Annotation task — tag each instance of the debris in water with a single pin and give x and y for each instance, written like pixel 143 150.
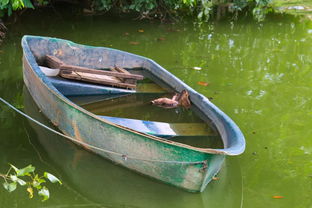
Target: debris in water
pixel 197 68
pixel 134 43
pixel 161 39
pixel 179 99
pixel 165 102
pixel 203 83
pixel 277 197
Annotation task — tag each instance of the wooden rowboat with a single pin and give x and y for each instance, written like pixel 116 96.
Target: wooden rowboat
pixel 147 149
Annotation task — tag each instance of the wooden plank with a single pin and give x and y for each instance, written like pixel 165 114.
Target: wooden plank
pixel 121 70
pixel 53 62
pixel 163 129
pixel 101 72
pixel 95 78
pixel 116 79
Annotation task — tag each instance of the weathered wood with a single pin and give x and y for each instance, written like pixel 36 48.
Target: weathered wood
pixel 100 72
pixel 94 78
pixel 108 79
pixel 53 62
pixel 121 70
pixel 114 70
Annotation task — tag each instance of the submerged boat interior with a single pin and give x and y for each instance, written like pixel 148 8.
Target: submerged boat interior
pixel 132 107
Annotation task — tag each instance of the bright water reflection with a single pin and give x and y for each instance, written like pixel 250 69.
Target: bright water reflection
pixel 259 74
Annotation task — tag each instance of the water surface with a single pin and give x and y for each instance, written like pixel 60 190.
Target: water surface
pixel 259 74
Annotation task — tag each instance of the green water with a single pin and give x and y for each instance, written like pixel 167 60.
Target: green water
pixel 259 74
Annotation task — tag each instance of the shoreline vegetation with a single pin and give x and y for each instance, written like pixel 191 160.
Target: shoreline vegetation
pixel 302 8
pixel 163 10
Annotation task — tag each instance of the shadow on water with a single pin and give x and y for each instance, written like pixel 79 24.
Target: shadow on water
pixel 103 182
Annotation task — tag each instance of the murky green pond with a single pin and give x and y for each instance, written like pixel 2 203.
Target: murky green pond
pixel 259 74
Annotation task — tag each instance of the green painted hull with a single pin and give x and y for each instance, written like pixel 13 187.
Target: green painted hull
pixel 174 163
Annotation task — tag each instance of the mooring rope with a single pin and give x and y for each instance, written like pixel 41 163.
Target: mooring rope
pixel 123 156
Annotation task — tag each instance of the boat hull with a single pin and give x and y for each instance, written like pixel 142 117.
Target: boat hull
pixel 174 163
pixel 87 129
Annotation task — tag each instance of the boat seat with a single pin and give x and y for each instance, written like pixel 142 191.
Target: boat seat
pixel 72 88
pixel 77 88
pixel 162 129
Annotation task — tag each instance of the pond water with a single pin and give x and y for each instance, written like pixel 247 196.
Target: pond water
pixel 259 74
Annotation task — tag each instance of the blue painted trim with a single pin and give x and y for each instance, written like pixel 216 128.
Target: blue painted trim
pixel 160 129
pixel 73 88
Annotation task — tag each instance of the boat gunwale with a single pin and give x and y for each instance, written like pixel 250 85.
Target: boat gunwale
pixel 29 56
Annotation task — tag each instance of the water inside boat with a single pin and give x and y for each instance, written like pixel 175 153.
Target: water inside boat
pixel 133 109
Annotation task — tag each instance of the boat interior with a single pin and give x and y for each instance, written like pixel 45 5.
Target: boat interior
pixel 130 105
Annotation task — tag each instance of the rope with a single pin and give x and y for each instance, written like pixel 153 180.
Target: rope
pixel 123 156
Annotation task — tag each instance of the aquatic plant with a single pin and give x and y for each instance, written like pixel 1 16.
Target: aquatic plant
pixel 27 177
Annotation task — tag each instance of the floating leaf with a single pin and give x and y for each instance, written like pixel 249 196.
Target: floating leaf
pixel 134 43
pixel 141 30
pixel 44 192
pixel 31 192
pixel 161 39
pixel 203 83
pixel 9 186
pixel 52 178
pixel 277 197
pixel 197 68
